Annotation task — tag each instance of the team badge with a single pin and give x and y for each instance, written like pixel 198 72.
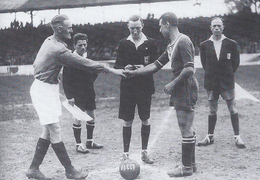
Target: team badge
pixel 146 60
pixel 228 55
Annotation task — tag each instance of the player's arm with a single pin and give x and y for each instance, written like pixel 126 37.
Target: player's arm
pixel 67 58
pixel 118 72
pixel 185 73
pixel 235 57
pixel 187 53
pixel 149 69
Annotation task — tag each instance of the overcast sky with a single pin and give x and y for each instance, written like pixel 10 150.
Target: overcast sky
pixel 122 12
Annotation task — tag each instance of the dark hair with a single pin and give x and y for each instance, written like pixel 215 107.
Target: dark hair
pixel 135 18
pixel 170 17
pixel 79 36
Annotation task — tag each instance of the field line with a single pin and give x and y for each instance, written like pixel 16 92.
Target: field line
pixel 30 104
pixel 170 112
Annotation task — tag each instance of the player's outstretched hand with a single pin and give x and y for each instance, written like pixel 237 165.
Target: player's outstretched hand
pixel 129 73
pixel 119 72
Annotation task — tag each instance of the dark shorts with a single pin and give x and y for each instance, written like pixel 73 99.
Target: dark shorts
pixel 128 104
pixel 86 103
pixel 225 94
pixel 185 95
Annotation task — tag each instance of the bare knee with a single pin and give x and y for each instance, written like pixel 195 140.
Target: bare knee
pixel 45 133
pixel 231 106
pixel 55 132
pixel 146 122
pixel 77 122
pixel 128 123
pixel 213 107
pixel 185 121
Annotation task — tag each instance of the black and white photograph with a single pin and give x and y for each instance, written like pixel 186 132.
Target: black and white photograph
pixel 129 89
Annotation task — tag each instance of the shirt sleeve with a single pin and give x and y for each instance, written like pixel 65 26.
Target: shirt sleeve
pixel 235 57
pixel 66 57
pixel 162 60
pixel 120 64
pixel 187 52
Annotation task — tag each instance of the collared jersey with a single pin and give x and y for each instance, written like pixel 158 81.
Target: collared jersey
pixel 180 53
pixel 143 54
pixel 219 73
pixel 52 55
pixel 217 44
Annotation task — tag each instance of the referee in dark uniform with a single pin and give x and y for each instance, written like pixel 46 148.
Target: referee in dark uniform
pixel 136 51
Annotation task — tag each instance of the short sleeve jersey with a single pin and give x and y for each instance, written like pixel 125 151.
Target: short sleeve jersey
pixel 180 53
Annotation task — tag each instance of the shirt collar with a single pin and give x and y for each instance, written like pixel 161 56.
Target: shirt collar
pixel 84 55
pixel 59 40
pixel 221 39
pixel 143 38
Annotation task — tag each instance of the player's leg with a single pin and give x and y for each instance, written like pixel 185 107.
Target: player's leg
pixel 90 125
pixel 212 119
pixel 61 152
pixel 127 134
pixel 126 112
pixel 144 106
pixel 40 152
pixel 185 121
pixel 48 110
pixel 77 135
pixel 184 98
pixel 235 123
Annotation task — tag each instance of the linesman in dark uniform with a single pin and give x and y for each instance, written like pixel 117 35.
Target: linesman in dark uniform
pixel 78 87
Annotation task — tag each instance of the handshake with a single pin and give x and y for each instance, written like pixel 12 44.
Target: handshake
pixel 129 70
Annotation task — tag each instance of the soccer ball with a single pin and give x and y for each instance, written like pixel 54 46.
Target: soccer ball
pixel 129 169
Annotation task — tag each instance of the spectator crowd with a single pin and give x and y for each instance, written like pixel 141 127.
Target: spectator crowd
pixel 20 42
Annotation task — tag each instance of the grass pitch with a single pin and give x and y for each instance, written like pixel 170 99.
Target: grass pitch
pixel 20 130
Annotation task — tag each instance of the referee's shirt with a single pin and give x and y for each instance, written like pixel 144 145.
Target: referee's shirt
pixel 143 53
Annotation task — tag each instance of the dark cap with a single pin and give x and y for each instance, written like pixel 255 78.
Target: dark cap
pixel 59 19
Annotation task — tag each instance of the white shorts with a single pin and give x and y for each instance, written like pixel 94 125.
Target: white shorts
pixel 46 101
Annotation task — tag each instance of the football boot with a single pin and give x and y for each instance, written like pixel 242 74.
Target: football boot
pixel 239 142
pixel 181 171
pixel 93 145
pixel 80 148
pixel 145 158
pixel 36 174
pixel 207 141
pixel 74 174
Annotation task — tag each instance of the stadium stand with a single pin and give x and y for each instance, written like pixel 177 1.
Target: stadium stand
pixel 19 43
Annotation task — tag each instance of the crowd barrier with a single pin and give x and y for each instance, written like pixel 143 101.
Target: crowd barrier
pixel 18 70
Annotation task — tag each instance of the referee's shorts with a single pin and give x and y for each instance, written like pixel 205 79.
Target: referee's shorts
pixel 46 101
pixel 225 94
pixel 128 104
pixel 86 103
